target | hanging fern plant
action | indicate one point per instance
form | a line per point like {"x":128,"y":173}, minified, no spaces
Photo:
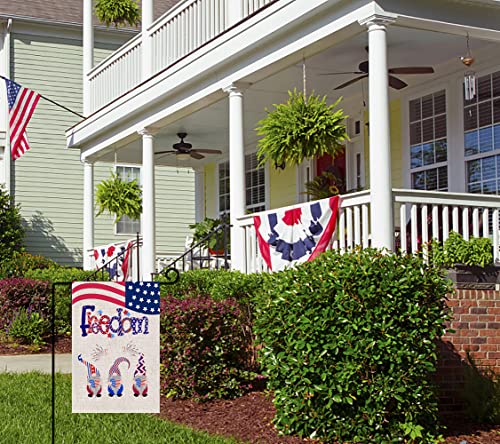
{"x":119,"y":198}
{"x":302,"y":128}
{"x":118,"y":12}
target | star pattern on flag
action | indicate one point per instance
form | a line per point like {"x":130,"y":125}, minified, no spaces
{"x":135,"y":293}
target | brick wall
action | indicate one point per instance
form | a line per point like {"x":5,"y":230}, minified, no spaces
{"x":476,"y":321}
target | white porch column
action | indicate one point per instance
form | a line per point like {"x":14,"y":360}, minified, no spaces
{"x":88,"y":53}
{"x":237,"y":197}
{"x":88,"y":215}
{"x":147,"y":47}
{"x":382,"y":220}
{"x":199,"y":193}
{"x":148,"y":206}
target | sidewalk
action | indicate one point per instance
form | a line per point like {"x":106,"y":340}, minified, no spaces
{"x":28,"y":363}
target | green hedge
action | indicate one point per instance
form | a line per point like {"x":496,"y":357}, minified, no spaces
{"x":349,"y":347}
{"x":63,"y":293}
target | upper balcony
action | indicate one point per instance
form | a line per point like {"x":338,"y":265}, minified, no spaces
{"x":179,"y":32}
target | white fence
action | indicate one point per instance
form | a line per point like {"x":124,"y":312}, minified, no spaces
{"x":419,"y":217}
{"x":180,"y":31}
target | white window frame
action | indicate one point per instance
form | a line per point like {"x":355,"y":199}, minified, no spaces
{"x":217,"y":184}
{"x":126,"y":165}
{"x":479,"y":73}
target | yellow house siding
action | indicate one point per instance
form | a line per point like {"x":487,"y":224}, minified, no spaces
{"x":283,"y":187}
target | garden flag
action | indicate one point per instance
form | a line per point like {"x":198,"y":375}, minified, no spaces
{"x":116,"y":347}
{"x":22,"y":103}
{"x":298,"y":234}
{"x":117,"y":257}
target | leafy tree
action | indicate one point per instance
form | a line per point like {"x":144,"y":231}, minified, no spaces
{"x":11,"y":227}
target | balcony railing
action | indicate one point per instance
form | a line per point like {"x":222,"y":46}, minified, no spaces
{"x":180,"y":31}
{"x":419,"y":216}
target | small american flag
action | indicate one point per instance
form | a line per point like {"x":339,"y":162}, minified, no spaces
{"x":142,"y":297}
{"x":22,"y":103}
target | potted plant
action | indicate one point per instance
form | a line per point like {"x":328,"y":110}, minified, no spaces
{"x":202,"y":231}
{"x":325,"y":185}
{"x":302,"y":128}
{"x":118,"y":12}
{"x":467,"y":262}
{"x":119,"y":198}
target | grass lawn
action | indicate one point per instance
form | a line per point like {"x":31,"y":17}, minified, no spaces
{"x":25,"y":406}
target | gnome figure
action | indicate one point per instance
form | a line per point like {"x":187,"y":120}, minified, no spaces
{"x":140,"y":386}
{"x":94,"y":387}
{"x":115,"y":385}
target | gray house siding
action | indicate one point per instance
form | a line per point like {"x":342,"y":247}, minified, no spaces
{"x":48,"y":181}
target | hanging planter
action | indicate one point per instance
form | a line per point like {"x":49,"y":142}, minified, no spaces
{"x":118,"y":12}
{"x":302,"y":128}
{"x":119,"y":198}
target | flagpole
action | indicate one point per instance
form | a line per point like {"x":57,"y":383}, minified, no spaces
{"x":53,"y":101}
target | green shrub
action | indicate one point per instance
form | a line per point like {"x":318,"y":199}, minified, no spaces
{"x":348,"y":343}
{"x":457,"y":250}
{"x":204,"y":350}
{"x":29,"y":327}
{"x":63,"y":292}
{"x":481,"y":393}
{"x":17,"y":294}
{"x":20,"y":263}
{"x":11,"y":227}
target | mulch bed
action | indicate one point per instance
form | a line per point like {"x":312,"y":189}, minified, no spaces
{"x":63,"y":345}
{"x":248,"y":419}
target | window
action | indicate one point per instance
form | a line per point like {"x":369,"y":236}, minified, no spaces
{"x":126,"y":225}
{"x":428,"y":142}
{"x":254,"y":182}
{"x":482,"y":136}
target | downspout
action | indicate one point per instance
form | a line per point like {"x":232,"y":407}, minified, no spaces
{"x":6,"y":72}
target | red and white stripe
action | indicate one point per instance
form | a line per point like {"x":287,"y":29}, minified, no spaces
{"x":113,"y":292}
{"x":20,"y":115}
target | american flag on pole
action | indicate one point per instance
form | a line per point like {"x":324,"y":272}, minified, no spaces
{"x":22,"y":103}
{"x":142,"y":297}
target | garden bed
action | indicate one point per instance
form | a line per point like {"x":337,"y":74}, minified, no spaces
{"x":63,"y":345}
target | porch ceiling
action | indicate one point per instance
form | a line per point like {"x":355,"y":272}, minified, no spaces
{"x":208,"y":128}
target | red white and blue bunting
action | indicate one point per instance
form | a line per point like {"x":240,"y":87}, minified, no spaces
{"x":298,"y":234}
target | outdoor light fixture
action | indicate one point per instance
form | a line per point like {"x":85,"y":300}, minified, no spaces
{"x":183,"y":156}
{"x":469,"y":76}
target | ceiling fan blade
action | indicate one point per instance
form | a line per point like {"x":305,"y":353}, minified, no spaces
{"x":164,"y":152}
{"x":350,"y":82}
{"x":341,"y":73}
{"x":363,"y":67}
{"x":207,"y":151}
{"x":412,"y":70}
{"x":196,"y":156}
{"x":396,"y":83}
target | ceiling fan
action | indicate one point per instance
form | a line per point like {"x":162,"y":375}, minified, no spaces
{"x":394,"y":82}
{"x":184,"y":150}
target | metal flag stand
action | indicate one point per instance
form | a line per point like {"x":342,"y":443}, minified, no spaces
{"x":172,"y":276}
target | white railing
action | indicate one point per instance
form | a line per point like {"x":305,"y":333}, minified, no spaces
{"x":420,"y":216}
{"x":353,"y":229}
{"x":427,"y":215}
{"x":116,"y":74}
{"x":180,"y":31}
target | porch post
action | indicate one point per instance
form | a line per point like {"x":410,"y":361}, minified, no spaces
{"x":147,"y":51}
{"x":199,"y":193}
{"x":148,"y":206}
{"x":88,"y":53}
{"x":88,"y":214}
{"x":237,"y":197}
{"x":382,"y":221}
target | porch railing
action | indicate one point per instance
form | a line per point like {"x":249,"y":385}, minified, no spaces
{"x":180,"y":31}
{"x":419,"y":216}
